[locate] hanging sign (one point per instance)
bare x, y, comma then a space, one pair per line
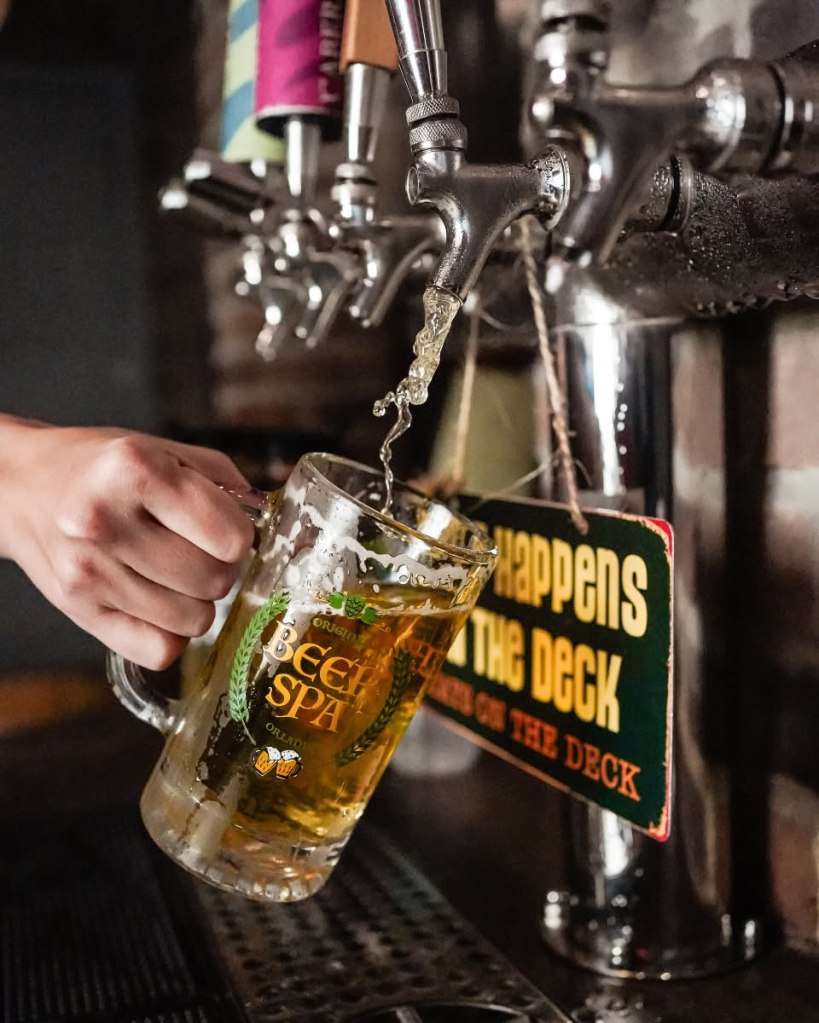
564, 666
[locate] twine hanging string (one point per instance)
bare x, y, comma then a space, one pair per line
454, 481
556, 398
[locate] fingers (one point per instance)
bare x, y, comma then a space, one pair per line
163, 557
88, 580
138, 474
185, 501
193, 507
148, 623
151, 647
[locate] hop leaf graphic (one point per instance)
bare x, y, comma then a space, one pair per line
353, 606
237, 687
401, 678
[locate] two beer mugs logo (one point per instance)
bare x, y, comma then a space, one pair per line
283, 764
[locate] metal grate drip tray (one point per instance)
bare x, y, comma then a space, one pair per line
379, 942
88, 934
444, 1012
97, 926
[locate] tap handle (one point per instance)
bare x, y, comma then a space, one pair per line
239, 188
297, 75
241, 141
368, 37
421, 55
203, 212
368, 58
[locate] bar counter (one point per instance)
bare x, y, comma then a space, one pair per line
434, 910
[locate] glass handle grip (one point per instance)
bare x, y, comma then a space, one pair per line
135, 693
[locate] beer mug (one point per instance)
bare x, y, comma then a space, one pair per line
344, 616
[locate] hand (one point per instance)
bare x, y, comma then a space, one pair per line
128, 535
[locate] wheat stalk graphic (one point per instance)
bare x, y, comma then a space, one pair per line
237, 688
401, 678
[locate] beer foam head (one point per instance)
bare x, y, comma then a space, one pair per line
336, 555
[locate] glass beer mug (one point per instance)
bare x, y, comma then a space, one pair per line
344, 616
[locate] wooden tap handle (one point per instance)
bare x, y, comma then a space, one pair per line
367, 36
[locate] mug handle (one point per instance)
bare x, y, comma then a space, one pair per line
137, 695
128, 682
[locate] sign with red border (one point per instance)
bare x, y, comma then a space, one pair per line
565, 664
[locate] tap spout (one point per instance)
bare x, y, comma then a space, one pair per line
478, 202
475, 202
389, 248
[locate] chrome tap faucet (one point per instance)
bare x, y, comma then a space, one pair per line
727, 240
385, 248
732, 117
306, 262
476, 203
298, 93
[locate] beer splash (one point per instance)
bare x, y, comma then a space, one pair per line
440, 308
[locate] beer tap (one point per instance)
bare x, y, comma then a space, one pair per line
367, 61
223, 197
385, 247
230, 194
299, 280
733, 117
476, 203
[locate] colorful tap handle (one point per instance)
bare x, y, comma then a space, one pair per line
298, 72
241, 141
368, 37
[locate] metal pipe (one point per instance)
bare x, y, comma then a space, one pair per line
365, 98
628, 905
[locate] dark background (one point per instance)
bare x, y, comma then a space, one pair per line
102, 303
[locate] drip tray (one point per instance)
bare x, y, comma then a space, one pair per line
88, 933
99, 927
444, 1012
378, 944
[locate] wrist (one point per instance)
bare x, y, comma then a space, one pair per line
18, 437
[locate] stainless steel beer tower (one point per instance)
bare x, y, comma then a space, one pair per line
628, 905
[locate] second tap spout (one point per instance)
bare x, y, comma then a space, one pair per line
477, 202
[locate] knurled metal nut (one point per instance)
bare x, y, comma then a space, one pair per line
432, 106
562, 10
446, 132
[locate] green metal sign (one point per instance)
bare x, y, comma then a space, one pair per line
565, 664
